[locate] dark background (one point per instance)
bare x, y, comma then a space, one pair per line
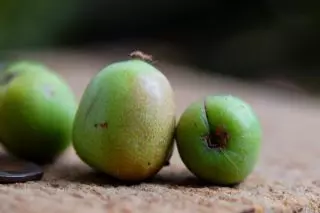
249, 39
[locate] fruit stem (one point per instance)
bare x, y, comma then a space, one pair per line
217, 137
137, 54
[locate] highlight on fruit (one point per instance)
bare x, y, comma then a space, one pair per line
125, 123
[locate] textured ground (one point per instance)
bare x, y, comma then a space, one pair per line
287, 178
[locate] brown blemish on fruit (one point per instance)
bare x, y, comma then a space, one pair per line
218, 137
140, 55
103, 125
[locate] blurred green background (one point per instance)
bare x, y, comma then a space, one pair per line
250, 39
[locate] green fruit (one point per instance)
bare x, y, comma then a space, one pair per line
125, 122
37, 109
219, 139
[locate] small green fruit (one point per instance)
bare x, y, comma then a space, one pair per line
37, 109
125, 122
219, 139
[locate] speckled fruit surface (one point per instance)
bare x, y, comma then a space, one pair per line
125, 123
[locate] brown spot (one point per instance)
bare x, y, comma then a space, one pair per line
104, 125
217, 141
216, 138
101, 125
149, 163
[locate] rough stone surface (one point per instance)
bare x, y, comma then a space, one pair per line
287, 178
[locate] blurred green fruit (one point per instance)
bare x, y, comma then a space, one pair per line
37, 109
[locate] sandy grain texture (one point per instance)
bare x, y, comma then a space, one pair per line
287, 178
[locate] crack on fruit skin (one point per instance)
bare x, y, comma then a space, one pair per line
103, 125
217, 138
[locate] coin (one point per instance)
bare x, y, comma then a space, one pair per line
13, 170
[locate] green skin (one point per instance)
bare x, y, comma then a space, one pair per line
222, 159
125, 122
37, 109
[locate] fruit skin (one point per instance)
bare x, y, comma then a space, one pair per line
37, 109
238, 153
125, 122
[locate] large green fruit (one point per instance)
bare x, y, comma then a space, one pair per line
125, 122
219, 139
37, 109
